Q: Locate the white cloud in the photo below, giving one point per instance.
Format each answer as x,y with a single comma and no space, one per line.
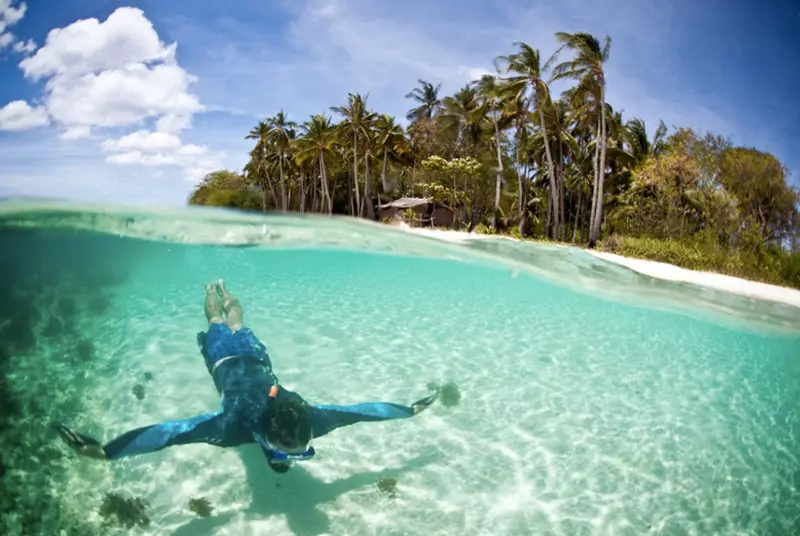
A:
25,47
146,148
18,115
145,141
126,37
9,16
76,133
116,74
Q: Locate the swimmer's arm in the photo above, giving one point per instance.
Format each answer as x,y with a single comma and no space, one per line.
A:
326,418
205,428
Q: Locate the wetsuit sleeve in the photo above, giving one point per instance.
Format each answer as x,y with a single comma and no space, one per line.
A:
205,428
326,418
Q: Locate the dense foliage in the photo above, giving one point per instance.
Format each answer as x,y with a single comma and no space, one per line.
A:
505,154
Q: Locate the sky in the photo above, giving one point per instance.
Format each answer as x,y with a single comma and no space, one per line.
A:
133,102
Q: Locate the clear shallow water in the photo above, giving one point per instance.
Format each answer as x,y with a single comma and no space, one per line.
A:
595,400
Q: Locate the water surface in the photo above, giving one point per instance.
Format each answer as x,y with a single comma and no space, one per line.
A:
595,400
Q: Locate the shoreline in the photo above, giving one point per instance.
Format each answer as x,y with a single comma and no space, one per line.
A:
655,269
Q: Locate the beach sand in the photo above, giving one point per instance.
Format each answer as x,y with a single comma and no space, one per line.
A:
659,270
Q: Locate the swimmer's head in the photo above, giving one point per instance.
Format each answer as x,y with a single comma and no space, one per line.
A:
289,428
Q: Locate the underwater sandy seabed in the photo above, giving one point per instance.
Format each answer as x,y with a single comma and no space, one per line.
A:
578,415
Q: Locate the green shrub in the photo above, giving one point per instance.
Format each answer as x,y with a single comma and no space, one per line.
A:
702,252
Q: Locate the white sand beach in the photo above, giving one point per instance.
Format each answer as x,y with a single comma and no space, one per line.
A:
660,270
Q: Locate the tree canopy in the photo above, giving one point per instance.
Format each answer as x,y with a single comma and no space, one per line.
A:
505,154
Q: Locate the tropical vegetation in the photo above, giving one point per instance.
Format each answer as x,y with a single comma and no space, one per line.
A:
505,154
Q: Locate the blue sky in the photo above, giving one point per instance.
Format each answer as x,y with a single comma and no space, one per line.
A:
108,110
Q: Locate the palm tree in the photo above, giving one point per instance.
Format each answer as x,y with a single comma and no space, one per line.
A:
517,111
427,95
493,94
587,66
280,132
257,168
526,62
356,120
318,143
391,141
639,146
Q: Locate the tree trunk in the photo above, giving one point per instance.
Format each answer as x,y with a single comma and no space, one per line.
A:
370,214
263,198
577,215
314,192
563,216
414,176
302,192
547,228
551,172
356,186
601,170
272,190
522,201
498,183
595,165
384,181
283,183
326,193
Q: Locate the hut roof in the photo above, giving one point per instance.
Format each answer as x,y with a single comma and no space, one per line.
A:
407,202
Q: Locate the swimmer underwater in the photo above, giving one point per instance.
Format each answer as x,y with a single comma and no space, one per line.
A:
255,407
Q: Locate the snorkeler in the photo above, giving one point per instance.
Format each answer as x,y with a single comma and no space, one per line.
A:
255,407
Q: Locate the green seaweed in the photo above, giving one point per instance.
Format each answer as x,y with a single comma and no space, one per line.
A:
449,393
201,506
138,391
388,486
126,512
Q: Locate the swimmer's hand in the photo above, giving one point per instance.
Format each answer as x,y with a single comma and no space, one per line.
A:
424,403
82,444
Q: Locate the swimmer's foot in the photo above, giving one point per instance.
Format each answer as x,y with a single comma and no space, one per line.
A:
223,290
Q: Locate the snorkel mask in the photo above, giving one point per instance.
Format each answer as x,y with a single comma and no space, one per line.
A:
276,455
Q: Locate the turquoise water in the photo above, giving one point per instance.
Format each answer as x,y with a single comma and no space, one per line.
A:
594,400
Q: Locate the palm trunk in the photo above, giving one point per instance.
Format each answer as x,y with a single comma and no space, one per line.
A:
326,193
302,192
283,183
577,215
601,171
384,181
563,216
314,192
355,174
522,196
370,214
498,183
551,172
263,198
272,190
522,201
547,228
595,166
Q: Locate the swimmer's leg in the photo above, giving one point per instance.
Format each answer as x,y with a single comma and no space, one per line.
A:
213,308
232,307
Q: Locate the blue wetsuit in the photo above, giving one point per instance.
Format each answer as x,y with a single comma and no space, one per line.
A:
242,372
